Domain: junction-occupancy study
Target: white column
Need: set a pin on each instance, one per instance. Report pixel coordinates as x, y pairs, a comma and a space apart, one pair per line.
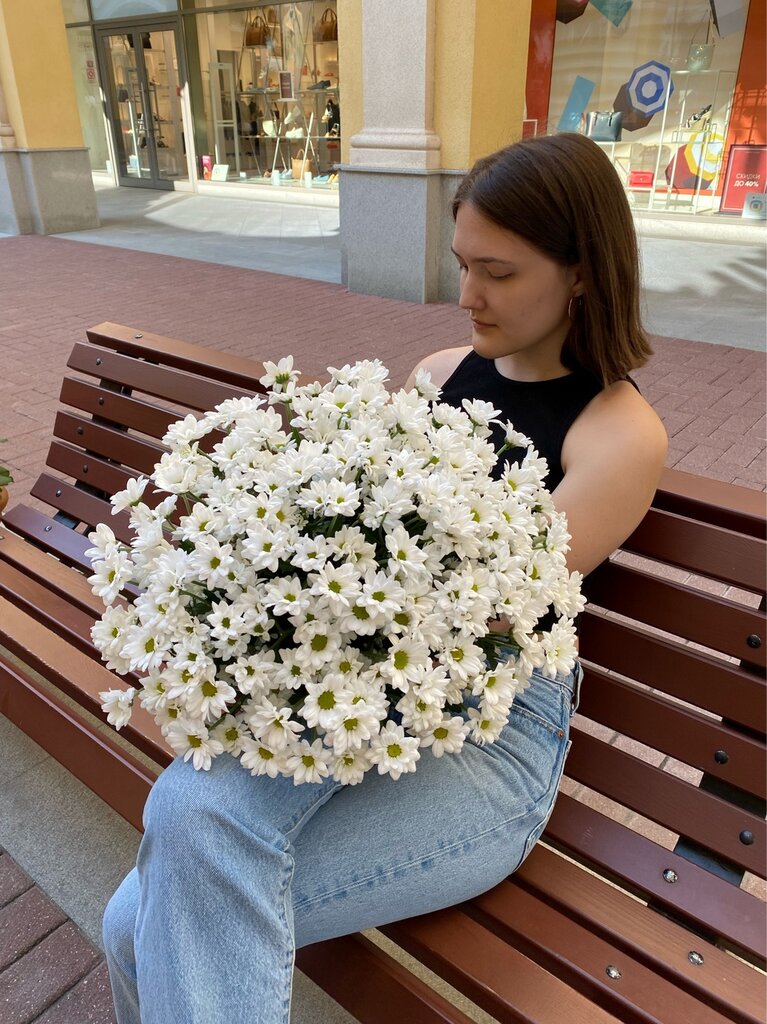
398, 38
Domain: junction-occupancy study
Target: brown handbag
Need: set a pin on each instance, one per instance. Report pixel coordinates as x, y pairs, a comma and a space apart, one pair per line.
326, 29
256, 32
298, 167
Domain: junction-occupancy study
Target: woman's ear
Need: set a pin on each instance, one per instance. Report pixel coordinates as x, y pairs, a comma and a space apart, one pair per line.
578, 287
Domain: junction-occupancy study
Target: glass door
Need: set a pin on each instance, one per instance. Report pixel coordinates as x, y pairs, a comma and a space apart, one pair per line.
143, 80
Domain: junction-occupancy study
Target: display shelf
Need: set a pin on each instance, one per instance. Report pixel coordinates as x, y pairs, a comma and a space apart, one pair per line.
669, 132
261, 91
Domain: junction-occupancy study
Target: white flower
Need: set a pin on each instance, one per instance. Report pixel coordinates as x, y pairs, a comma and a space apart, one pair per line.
117, 705
560, 649
337, 586
190, 740
485, 725
447, 737
313, 595
407, 662
280, 375
394, 752
261, 759
131, 495
273, 725
231, 734
309, 763
324, 703
350, 768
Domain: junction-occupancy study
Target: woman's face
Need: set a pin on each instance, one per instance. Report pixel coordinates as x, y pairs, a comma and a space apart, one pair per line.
517, 297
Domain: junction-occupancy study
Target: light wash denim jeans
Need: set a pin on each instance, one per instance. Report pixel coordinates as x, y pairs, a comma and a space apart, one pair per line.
235, 872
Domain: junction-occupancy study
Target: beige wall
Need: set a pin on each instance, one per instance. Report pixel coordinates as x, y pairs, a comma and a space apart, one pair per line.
349, 70
36, 75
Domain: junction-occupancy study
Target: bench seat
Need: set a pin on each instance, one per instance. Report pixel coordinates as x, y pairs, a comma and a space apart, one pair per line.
631, 908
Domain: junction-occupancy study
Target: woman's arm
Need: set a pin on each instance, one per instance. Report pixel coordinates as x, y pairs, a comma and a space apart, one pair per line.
612, 458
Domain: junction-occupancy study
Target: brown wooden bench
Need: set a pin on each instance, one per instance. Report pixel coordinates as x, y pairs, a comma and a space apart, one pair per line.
604, 921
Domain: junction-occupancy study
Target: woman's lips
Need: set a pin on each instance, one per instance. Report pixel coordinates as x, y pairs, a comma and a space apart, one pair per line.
480, 326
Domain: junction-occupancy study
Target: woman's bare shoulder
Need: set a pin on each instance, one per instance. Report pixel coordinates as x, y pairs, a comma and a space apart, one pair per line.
440, 364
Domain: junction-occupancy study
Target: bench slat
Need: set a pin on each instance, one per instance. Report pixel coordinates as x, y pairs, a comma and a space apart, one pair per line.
122, 410
183, 355
190, 389
81, 678
661, 944
700, 548
706, 619
87, 468
85, 508
685, 734
102, 765
67, 544
582, 958
499, 978
43, 568
638, 863
108, 442
720, 687
742, 509
668, 800
372, 986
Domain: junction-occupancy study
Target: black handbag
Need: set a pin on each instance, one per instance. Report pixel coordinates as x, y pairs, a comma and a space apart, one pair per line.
604, 125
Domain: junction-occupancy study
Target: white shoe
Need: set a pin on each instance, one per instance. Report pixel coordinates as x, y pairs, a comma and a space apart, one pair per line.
269, 129
292, 115
295, 133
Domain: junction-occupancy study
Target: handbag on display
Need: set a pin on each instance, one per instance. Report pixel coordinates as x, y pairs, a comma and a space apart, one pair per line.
256, 32
604, 125
300, 164
326, 29
700, 55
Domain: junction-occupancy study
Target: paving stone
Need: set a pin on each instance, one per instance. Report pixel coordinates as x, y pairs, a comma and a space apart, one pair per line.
89, 1002
13, 881
47, 972
24, 922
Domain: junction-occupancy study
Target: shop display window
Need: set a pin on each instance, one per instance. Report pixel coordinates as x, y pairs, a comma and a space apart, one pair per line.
88, 91
103, 9
651, 82
266, 100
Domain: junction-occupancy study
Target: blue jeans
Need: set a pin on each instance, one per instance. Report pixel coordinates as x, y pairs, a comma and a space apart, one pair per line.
235, 872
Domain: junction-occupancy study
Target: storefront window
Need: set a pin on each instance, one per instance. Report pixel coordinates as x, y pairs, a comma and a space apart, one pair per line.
652, 83
89, 101
130, 8
265, 93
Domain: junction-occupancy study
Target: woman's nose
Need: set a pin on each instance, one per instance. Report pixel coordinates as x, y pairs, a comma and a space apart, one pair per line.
470, 296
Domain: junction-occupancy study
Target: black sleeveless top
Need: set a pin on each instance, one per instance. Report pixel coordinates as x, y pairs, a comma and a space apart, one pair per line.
544, 410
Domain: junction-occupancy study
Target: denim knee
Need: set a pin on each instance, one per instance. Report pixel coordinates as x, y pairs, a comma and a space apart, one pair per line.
119, 924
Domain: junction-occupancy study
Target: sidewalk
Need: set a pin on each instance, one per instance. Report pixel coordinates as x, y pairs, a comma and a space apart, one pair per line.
710, 396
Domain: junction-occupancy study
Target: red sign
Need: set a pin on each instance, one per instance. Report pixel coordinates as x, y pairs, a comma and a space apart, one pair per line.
746, 172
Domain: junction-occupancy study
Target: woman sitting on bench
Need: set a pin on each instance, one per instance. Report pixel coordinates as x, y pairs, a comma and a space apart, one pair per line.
235, 872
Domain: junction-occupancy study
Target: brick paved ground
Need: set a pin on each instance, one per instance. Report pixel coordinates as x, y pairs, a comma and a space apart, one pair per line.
710, 397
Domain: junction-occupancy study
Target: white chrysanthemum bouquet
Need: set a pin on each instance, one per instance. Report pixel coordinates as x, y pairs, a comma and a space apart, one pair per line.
316, 599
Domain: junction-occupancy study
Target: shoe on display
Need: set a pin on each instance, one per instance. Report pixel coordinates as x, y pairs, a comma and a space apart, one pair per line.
295, 133
269, 129
324, 84
293, 115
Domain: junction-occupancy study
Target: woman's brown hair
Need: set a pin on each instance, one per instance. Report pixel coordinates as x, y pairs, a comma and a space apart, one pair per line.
562, 195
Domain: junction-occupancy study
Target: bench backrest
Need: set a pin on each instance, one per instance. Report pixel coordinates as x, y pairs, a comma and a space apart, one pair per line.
669, 741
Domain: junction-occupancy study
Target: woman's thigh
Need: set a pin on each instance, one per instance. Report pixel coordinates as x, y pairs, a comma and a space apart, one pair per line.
384, 850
